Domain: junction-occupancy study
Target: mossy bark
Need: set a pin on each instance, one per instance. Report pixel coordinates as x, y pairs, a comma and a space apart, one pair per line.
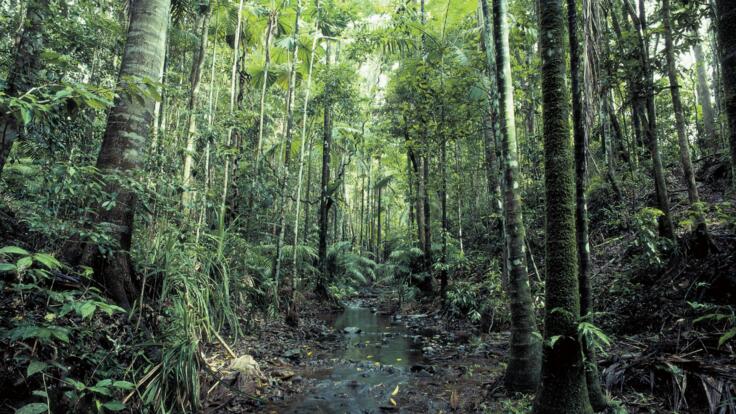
595, 392
563, 388
324, 200
522, 373
726, 13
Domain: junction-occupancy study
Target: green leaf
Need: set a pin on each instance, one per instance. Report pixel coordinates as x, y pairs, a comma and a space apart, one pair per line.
60, 333
26, 114
114, 406
14, 250
86, 309
36, 367
7, 267
33, 408
40, 393
47, 260
553, 340
104, 383
726, 337
100, 390
78, 385
24, 262
123, 385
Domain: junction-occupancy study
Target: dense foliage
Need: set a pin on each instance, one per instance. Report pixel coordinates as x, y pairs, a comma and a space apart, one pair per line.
176, 173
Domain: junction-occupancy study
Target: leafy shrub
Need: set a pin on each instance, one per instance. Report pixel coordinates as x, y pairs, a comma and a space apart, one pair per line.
45, 330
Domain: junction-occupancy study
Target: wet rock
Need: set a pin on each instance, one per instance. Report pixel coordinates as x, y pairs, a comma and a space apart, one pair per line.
283, 374
352, 330
294, 353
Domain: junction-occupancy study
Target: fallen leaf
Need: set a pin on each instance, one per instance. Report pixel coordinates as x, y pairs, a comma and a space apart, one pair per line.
454, 400
395, 391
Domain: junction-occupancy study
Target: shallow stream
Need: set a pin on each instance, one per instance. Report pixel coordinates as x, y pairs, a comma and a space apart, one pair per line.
369, 374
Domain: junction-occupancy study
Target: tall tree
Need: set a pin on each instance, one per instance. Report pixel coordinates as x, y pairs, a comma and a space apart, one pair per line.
425, 160
710, 142
124, 142
726, 25
26, 64
287, 145
195, 76
667, 229
597, 399
325, 199
522, 373
682, 140
563, 388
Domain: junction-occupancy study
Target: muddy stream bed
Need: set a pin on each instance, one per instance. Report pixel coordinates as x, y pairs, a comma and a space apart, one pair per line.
374, 362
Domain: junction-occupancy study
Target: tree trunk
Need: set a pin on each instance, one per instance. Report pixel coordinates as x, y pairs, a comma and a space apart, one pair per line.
26, 63
522, 373
711, 142
264, 88
128, 127
443, 201
261, 117
301, 165
667, 229
682, 140
726, 12
325, 200
287, 151
595, 393
379, 241
563, 388
228, 139
195, 78
426, 208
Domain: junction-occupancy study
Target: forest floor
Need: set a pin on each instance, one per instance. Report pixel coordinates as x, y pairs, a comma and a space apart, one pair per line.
415, 361
445, 365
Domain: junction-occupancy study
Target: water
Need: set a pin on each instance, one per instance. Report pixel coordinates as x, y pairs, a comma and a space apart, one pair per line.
365, 376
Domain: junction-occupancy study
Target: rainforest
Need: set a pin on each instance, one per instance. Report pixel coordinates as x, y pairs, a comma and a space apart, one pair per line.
352, 206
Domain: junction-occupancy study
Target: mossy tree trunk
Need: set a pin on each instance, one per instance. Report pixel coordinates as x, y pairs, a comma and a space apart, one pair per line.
325, 200
595, 393
522, 373
563, 389
123, 145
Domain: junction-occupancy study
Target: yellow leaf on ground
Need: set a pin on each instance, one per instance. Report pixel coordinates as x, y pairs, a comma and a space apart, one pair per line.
396, 390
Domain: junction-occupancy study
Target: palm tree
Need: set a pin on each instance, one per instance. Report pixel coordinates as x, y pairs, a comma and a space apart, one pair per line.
563, 388
522, 373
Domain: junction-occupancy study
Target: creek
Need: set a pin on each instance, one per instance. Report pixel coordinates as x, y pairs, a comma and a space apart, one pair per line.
369, 372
